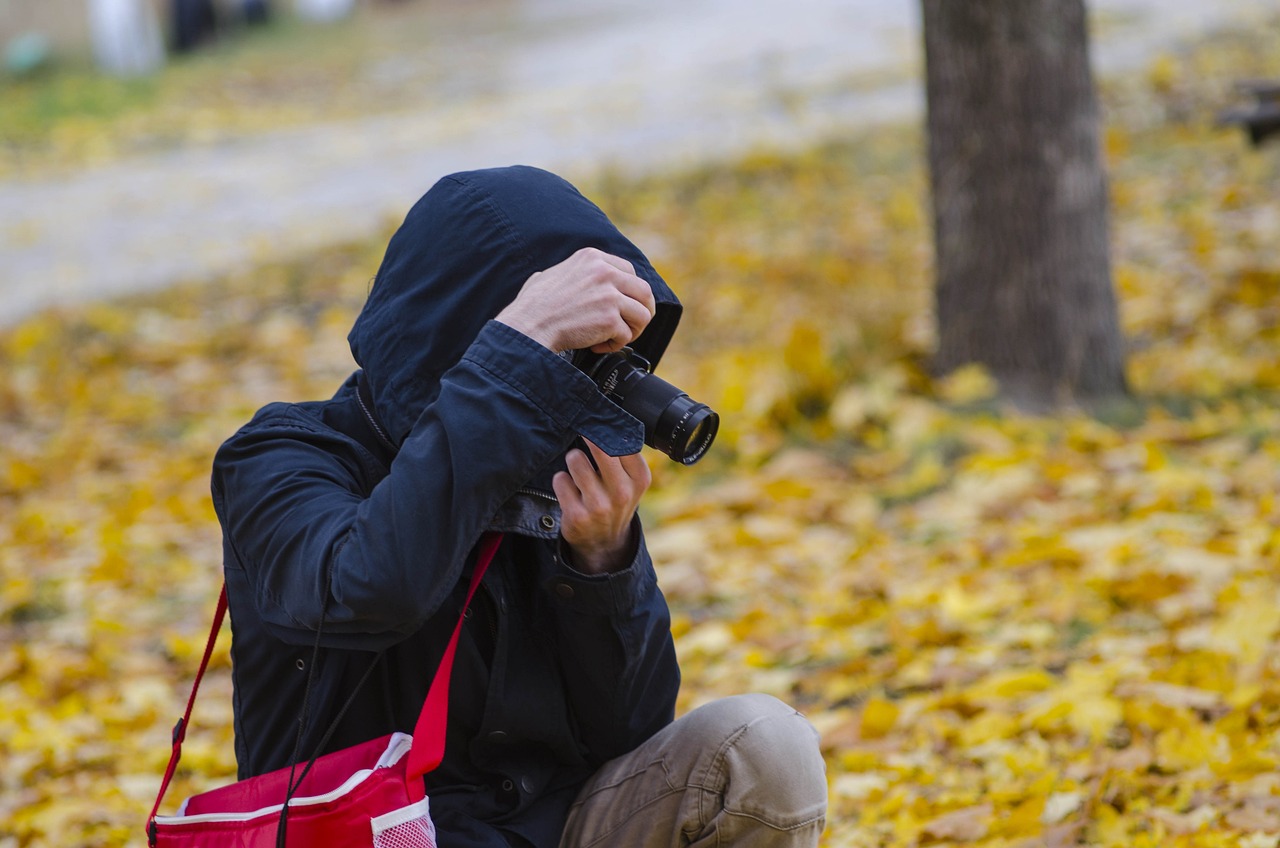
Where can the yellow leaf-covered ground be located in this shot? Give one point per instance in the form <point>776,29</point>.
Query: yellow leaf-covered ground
<point>1010,630</point>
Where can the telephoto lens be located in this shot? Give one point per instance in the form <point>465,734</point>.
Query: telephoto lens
<point>674,423</point>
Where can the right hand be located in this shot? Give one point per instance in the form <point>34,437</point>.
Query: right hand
<point>591,300</point>
<point>598,503</point>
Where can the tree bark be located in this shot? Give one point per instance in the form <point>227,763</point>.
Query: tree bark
<point>1020,200</point>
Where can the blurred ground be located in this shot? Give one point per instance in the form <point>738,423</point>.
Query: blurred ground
<point>292,140</point>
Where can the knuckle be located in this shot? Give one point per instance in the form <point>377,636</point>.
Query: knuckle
<point>596,282</point>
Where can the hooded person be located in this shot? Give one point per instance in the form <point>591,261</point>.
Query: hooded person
<point>352,523</point>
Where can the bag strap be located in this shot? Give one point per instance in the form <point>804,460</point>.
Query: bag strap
<point>429,732</point>
<point>424,755</point>
<point>180,729</point>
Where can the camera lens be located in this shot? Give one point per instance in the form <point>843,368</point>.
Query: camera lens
<point>673,422</point>
<point>685,429</point>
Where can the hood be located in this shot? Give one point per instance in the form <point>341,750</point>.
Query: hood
<point>461,255</point>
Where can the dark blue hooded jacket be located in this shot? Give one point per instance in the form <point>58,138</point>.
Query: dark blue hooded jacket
<point>364,510</point>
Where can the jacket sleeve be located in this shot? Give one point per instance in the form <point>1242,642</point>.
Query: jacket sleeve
<point>289,494</point>
<point>617,655</point>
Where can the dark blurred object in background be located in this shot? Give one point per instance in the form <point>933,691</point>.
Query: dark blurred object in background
<point>255,11</point>
<point>196,22</point>
<point>1262,119</point>
<point>193,22</point>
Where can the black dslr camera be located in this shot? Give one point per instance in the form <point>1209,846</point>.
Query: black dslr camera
<point>674,423</point>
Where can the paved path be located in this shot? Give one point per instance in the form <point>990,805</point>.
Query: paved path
<point>635,84</point>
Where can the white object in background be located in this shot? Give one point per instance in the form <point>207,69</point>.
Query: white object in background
<point>126,36</point>
<point>323,10</point>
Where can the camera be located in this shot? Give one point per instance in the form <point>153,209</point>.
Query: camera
<point>674,423</point>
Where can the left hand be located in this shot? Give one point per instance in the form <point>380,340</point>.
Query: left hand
<point>597,506</point>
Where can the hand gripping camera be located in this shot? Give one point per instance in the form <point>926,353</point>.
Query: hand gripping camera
<point>674,423</point>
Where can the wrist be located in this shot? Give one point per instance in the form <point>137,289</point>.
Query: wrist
<point>525,325</point>
<point>597,560</point>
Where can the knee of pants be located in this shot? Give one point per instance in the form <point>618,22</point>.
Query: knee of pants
<point>769,766</point>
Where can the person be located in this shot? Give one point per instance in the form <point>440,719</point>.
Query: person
<point>126,37</point>
<point>193,22</point>
<point>351,523</point>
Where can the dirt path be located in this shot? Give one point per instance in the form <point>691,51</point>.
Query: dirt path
<point>631,86</point>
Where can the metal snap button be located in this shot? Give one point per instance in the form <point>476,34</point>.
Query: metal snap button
<point>564,590</point>
<point>527,784</point>
<point>301,665</point>
<point>548,522</point>
<point>508,786</point>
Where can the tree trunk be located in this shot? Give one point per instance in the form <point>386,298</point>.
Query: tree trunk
<point>1020,200</point>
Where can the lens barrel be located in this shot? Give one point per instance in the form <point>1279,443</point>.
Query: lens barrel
<point>673,422</point>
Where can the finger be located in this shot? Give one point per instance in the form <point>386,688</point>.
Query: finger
<point>626,478</point>
<point>618,262</point>
<point>572,510</point>
<point>622,336</point>
<point>639,290</point>
<point>636,468</point>
<point>612,345</point>
<point>591,490</point>
<point>637,316</point>
<point>610,469</point>
<point>567,493</point>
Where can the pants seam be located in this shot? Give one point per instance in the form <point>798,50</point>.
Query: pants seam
<point>604,836</point>
<point>820,817</point>
<point>660,762</point>
<point>717,767</point>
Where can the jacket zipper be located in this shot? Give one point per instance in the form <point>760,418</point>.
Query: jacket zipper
<point>537,493</point>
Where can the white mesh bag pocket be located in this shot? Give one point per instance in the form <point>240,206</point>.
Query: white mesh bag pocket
<point>407,827</point>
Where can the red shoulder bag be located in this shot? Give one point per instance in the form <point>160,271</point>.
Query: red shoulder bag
<point>370,794</point>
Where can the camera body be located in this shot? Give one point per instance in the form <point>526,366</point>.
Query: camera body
<point>674,423</point>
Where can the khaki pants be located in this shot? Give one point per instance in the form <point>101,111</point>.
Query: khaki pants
<point>743,771</point>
